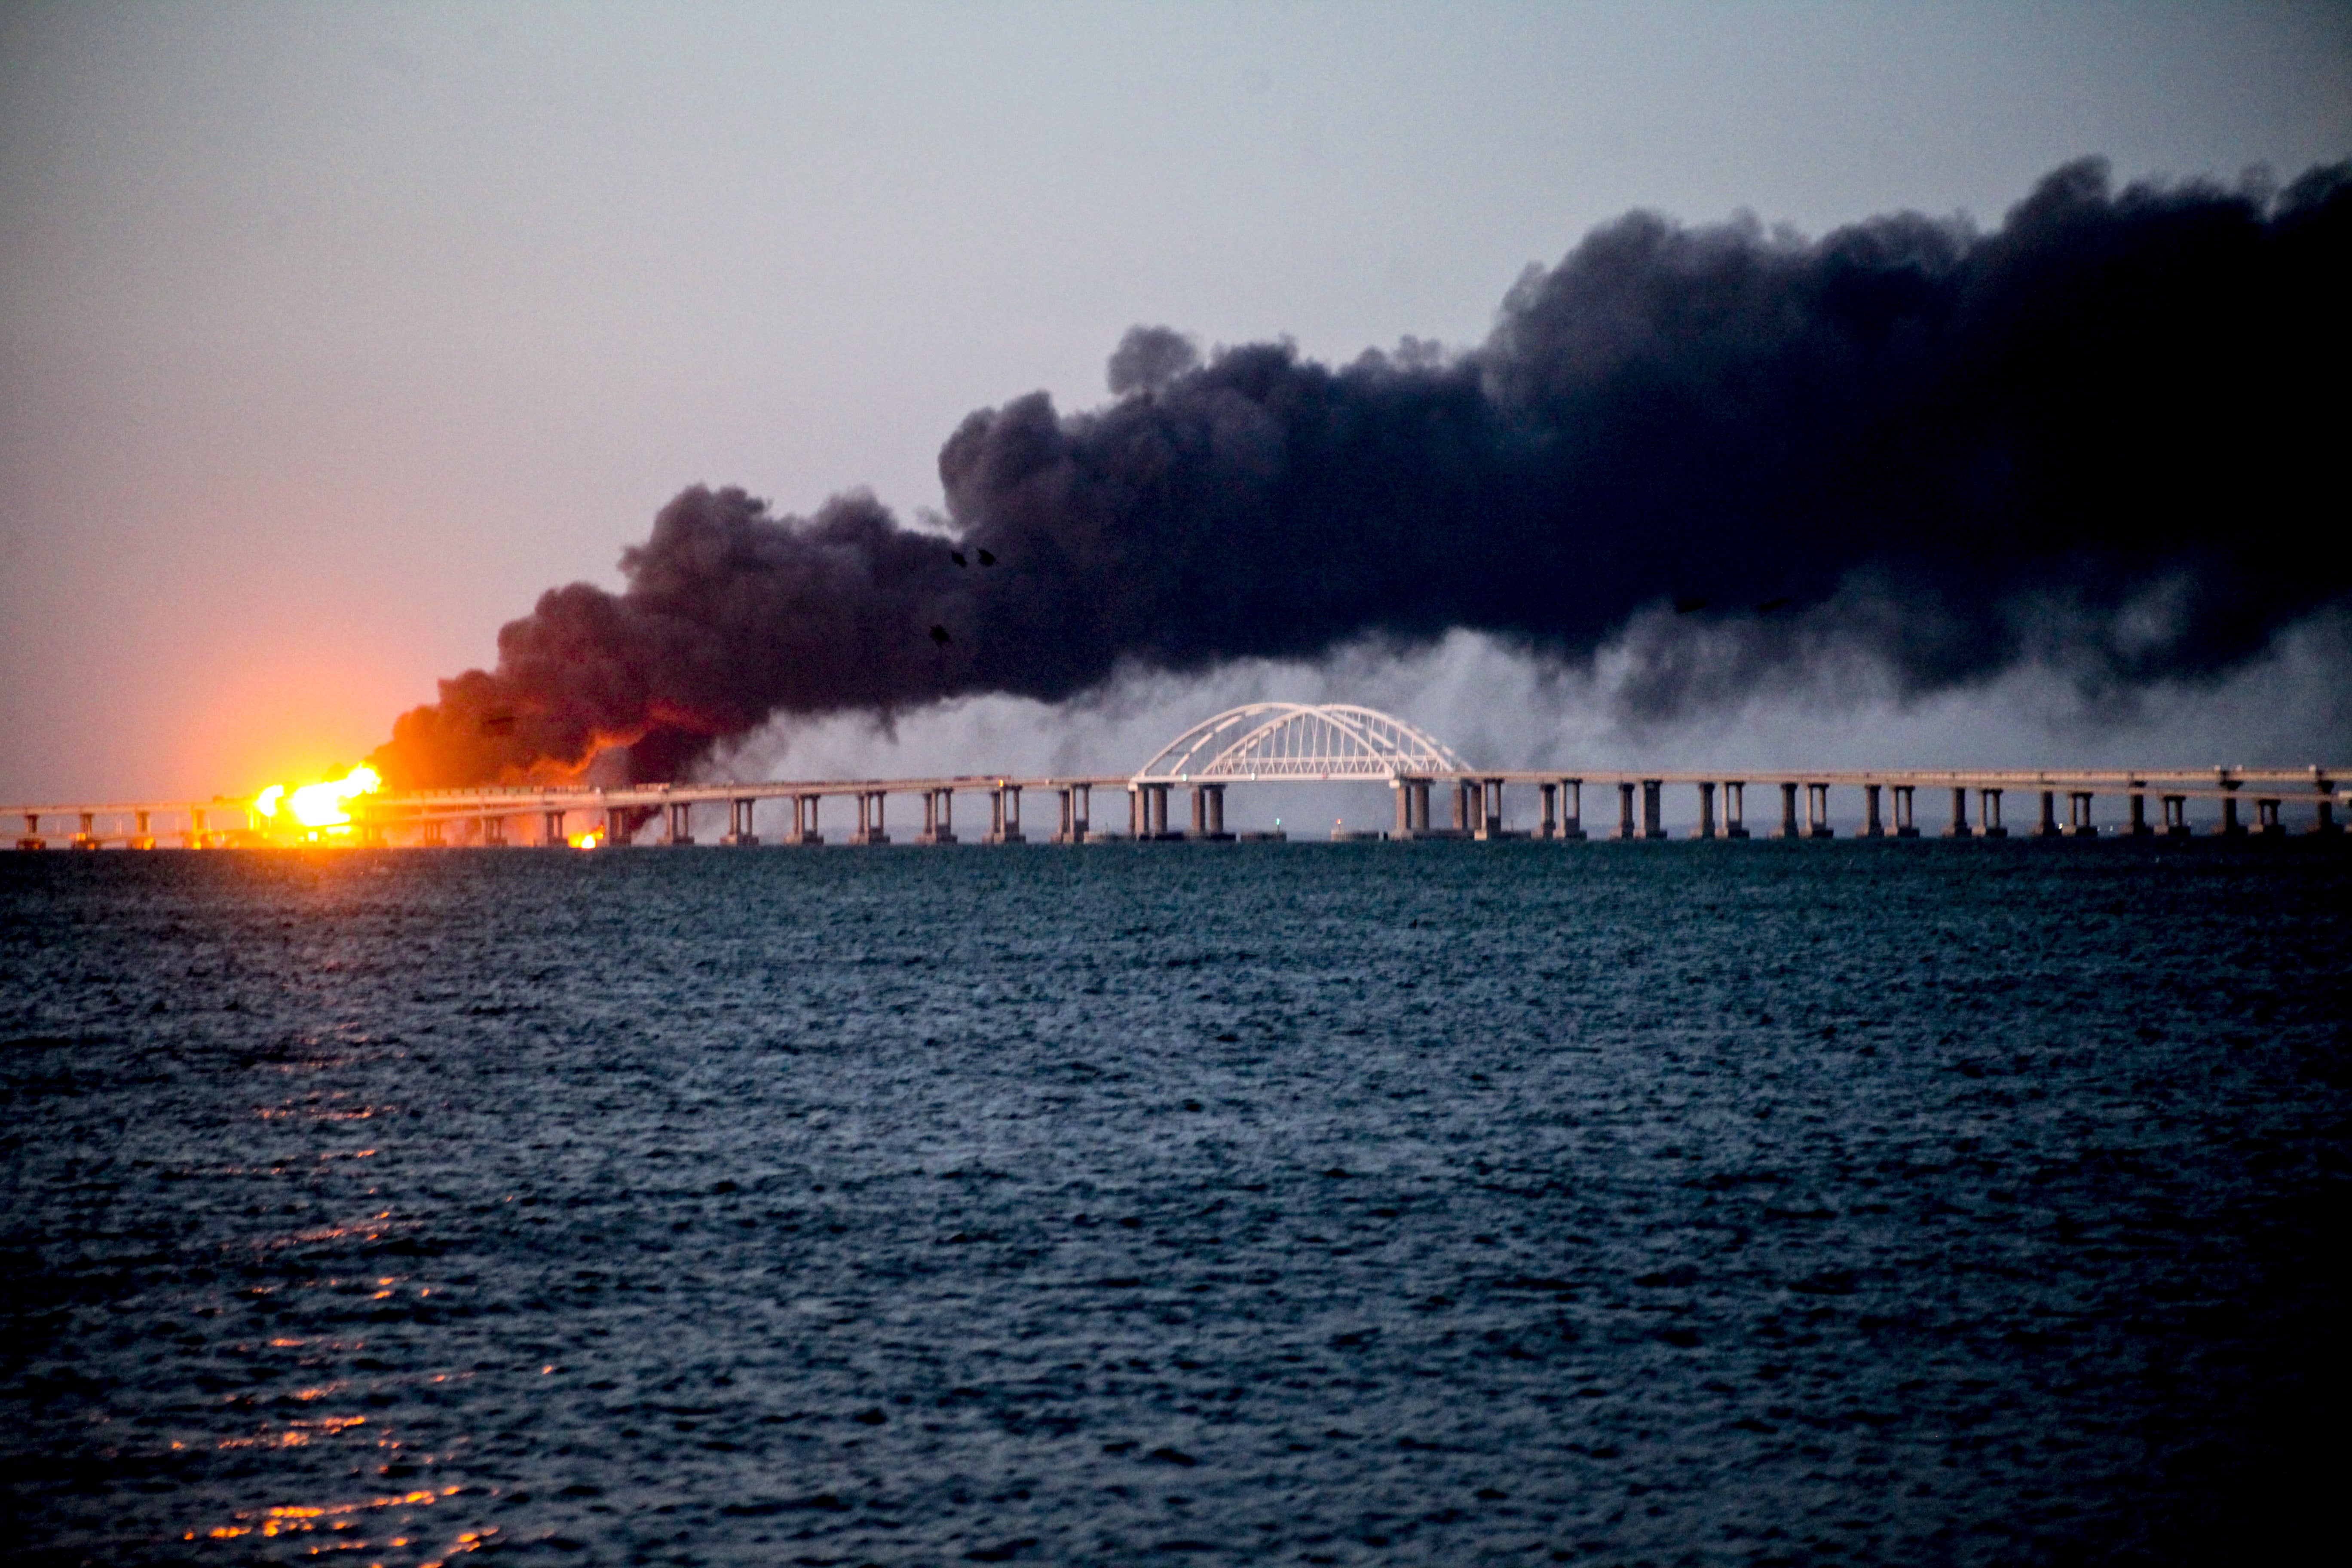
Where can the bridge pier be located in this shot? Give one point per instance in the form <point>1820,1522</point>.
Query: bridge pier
<point>1651,825</point>
<point>1488,818</point>
<point>2078,816</point>
<point>2266,818</point>
<point>551,832</point>
<point>429,832</point>
<point>1004,814</point>
<point>1817,812</point>
<point>31,837</point>
<point>1905,826</point>
<point>86,837</point>
<point>740,826</point>
<point>1706,828</point>
<point>143,836</point>
<point>1789,829</point>
<point>1871,825</point>
<point>681,823</point>
<point>1549,828</point>
<point>806,830</point>
<point>494,833</point>
<point>2231,827</point>
<point>1209,813</point>
<point>2176,814</point>
<point>1959,828</point>
<point>939,817</point>
<point>870,829</point>
<point>1626,831</point>
<point>2047,826</point>
<point>1988,815</point>
<point>1735,808</point>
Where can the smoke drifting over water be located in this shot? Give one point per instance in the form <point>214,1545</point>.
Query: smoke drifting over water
<point>2092,440</point>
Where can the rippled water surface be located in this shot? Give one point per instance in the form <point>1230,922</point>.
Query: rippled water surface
<point>1412,1204</point>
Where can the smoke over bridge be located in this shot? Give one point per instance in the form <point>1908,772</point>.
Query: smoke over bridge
<point>2098,437</point>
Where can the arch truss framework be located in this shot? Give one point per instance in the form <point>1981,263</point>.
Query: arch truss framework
<point>1298,741</point>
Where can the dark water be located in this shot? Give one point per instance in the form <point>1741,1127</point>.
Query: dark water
<point>1427,1204</point>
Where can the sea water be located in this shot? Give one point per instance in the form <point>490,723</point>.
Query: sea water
<point>1437,1203</point>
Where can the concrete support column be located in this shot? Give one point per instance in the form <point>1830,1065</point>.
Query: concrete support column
<point>2266,818</point>
<point>494,832</point>
<point>1625,828</point>
<point>430,833</point>
<point>878,831</point>
<point>2231,827</point>
<point>1084,822</point>
<point>2047,826</point>
<point>1735,808</point>
<point>1870,826</point>
<point>1490,809</point>
<point>1137,816</point>
<point>1421,805</point>
<point>2078,815</point>
<point>1651,825</point>
<point>811,832</point>
<point>1906,825</point>
<point>2176,814</point>
<point>1550,803</point>
<point>142,836</point>
<point>1200,811</point>
<point>1403,809</point>
<point>1789,829</point>
<point>931,813</point>
<point>1817,812</point>
<point>2323,816</point>
<point>554,837</point>
<point>1988,815</point>
<point>1216,811</point>
<point>1706,828</point>
<point>1959,828</point>
<point>681,827</point>
<point>1462,805</point>
<point>1067,811</point>
<point>2139,828</point>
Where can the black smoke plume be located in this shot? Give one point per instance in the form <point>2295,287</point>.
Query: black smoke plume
<point>2109,434</point>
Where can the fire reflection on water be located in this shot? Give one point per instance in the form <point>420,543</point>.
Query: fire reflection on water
<point>301,1519</point>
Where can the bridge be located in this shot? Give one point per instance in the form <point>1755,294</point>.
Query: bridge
<point>1259,743</point>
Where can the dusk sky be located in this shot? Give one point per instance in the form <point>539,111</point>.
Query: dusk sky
<point>329,336</point>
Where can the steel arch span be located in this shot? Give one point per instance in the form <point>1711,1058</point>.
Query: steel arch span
<point>1273,740</point>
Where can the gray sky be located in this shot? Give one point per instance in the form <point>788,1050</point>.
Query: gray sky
<point>330,335</point>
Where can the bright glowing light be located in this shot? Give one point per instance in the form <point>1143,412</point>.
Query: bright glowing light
<point>315,808</point>
<point>588,840</point>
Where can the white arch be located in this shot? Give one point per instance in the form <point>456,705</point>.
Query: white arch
<point>1295,741</point>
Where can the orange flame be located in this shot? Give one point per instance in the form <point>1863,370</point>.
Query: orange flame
<point>592,839</point>
<point>314,810</point>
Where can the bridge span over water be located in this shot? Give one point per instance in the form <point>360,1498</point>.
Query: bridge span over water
<point>1262,744</point>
